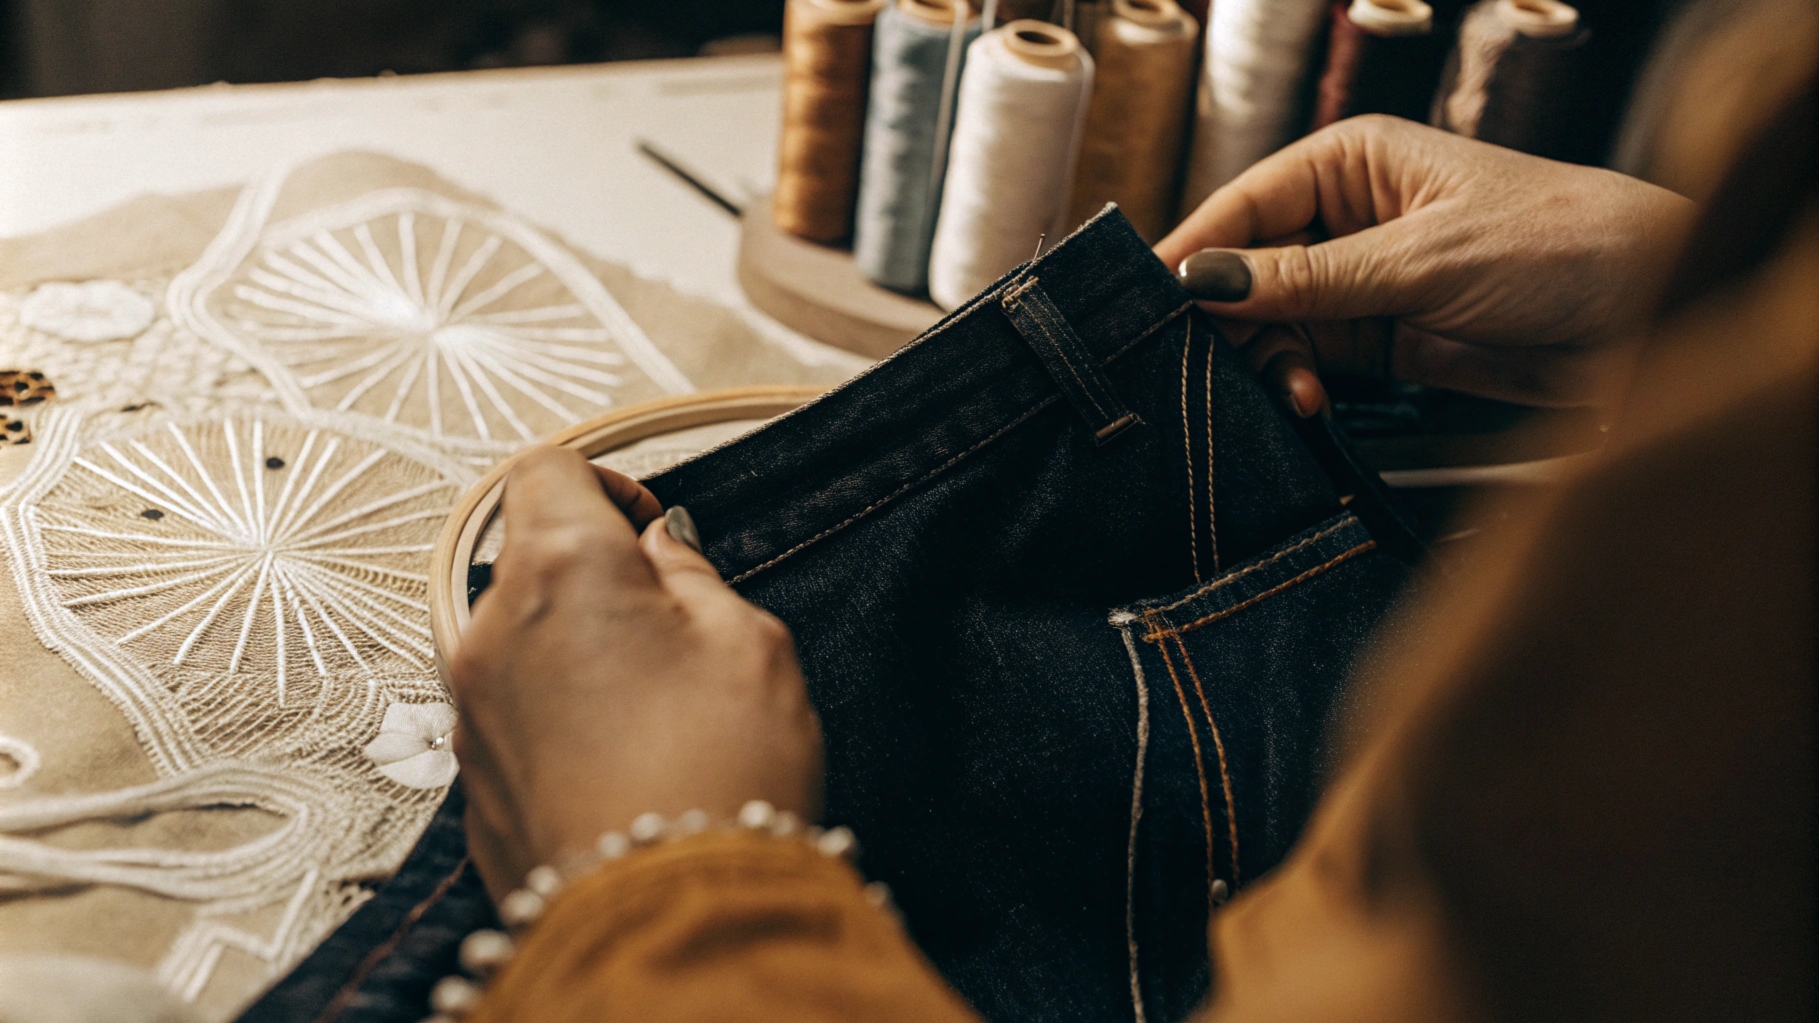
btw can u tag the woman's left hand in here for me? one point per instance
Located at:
(607, 674)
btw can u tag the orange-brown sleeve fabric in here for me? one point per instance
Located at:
(724, 926)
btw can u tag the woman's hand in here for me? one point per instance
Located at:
(607, 674)
(1436, 259)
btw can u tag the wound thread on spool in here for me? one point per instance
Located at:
(1130, 150)
(911, 103)
(1382, 57)
(1515, 77)
(827, 62)
(1022, 106)
(1251, 87)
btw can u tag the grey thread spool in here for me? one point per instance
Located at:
(1515, 77)
(899, 183)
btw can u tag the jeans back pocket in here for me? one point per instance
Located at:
(1239, 681)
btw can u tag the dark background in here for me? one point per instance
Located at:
(63, 47)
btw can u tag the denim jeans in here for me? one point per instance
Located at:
(1077, 607)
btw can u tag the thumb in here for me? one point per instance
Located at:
(1346, 278)
(671, 546)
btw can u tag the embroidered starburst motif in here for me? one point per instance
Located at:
(454, 321)
(249, 550)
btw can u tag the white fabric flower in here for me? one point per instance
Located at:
(89, 311)
(412, 747)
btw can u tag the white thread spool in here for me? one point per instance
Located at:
(1392, 17)
(1257, 58)
(1022, 104)
(1539, 19)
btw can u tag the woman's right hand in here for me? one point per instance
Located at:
(1436, 259)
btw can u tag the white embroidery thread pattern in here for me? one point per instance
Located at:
(220, 590)
(90, 311)
(282, 866)
(187, 619)
(19, 760)
(459, 323)
(162, 365)
(224, 526)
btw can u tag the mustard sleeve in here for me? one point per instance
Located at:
(723, 926)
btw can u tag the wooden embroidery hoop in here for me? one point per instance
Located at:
(454, 551)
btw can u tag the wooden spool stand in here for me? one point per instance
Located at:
(817, 290)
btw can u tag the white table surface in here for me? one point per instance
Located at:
(555, 145)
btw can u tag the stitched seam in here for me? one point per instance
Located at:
(1193, 735)
(1212, 506)
(1265, 595)
(1130, 855)
(344, 997)
(899, 492)
(1187, 442)
(938, 470)
(1225, 773)
(1016, 293)
(1040, 316)
(1259, 566)
(1140, 338)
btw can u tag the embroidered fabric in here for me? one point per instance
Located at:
(222, 524)
(159, 365)
(461, 325)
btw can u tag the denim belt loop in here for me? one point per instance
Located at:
(1067, 359)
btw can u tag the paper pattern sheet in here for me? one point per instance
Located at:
(220, 721)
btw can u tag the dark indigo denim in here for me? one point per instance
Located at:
(379, 966)
(1062, 527)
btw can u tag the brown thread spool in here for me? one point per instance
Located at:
(827, 52)
(1382, 58)
(1516, 78)
(1022, 10)
(1131, 149)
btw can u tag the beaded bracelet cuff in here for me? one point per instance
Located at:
(484, 952)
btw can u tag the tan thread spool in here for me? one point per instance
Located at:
(936, 12)
(1136, 123)
(827, 54)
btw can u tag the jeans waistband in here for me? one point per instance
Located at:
(950, 393)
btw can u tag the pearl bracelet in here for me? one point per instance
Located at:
(484, 952)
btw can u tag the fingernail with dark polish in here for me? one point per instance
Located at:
(681, 527)
(1216, 275)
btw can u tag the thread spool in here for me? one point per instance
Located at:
(1250, 99)
(1087, 16)
(1515, 78)
(1023, 10)
(913, 88)
(1130, 150)
(1382, 57)
(827, 58)
(1022, 106)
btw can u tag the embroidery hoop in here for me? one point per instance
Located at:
(461, 534)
